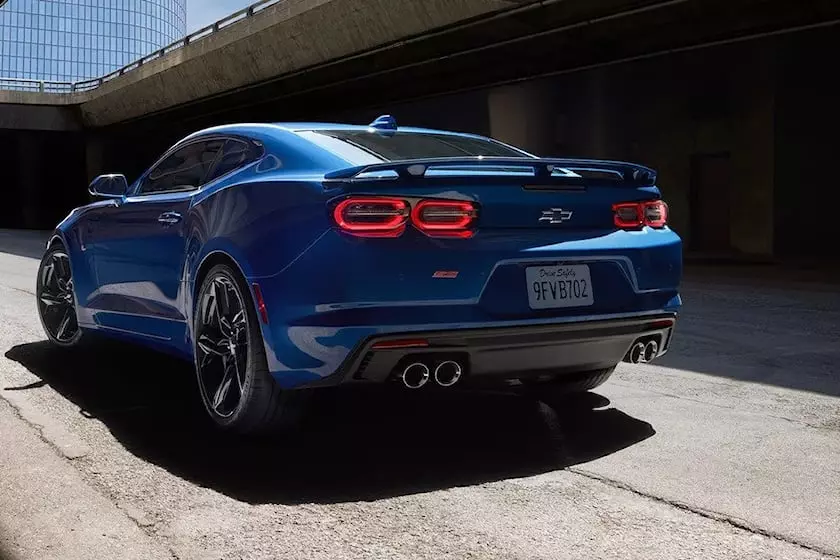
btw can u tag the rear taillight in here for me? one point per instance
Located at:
(372, 217)
(387, 217)
(443, 218)
(656, 213)
(634, 215)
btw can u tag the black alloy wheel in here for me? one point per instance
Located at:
(222, 345)
(56, 299)
(236, 386)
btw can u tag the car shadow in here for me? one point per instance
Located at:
(352, 445)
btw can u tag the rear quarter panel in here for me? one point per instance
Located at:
(263, 223)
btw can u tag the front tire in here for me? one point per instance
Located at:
(56, 298)
(236, 386)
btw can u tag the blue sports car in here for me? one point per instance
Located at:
(280, 258)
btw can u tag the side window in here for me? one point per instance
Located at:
(183, 170)
(235, 155)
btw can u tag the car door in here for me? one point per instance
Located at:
(140, 245)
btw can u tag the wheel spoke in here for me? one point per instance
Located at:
(225, 327)
(211, 346)
(239, 321)
(49, 299)
(65, 322)
(223, 390)
(238, 372)
(62, 267)
(49, 275)
(212, 349)
(220, 295)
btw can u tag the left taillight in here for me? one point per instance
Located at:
(388, 217)
(634, 215)
(372, 217)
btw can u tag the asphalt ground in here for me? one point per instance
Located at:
(729, 447)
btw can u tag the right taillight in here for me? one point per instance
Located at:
(656, 213)
(634, 215)
(372, 217)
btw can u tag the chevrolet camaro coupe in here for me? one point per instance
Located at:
(280, 258)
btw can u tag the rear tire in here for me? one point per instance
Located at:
(236, 387)
(569, 384)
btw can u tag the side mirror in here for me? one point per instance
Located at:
(109, 186)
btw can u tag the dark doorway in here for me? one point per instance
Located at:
(10, 213)
(709, 200)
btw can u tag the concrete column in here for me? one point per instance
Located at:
(753, 141)
(28, 186)
(522, 115)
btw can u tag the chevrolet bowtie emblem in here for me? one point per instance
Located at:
(556, 215)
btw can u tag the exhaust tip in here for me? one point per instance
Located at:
(448, 373)
(415, 375)
(636, 354)
(651, 351)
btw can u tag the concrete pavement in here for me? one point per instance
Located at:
(49, 512)
(729, 448)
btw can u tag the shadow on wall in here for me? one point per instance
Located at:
(353, 445)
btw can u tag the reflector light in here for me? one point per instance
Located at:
(372, 216)
(634, 215)
(444, 218)
(260, 303)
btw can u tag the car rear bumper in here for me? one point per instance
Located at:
(505, 353)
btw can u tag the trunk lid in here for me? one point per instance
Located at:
(518, 193)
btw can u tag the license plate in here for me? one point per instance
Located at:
(559, 286)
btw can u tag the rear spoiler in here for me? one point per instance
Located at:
(566, 170)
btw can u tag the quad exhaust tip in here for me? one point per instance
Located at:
(636, 354)
(643, 352)
(415, 375)
(651, 351)
(448, 373)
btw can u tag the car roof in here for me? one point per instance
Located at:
(298, 127)
(294, 127)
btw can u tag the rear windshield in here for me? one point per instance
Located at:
(361, 147)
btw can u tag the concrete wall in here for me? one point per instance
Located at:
(662, 112)
(807, 148)
(39, 117)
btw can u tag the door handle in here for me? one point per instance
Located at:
(169, 218)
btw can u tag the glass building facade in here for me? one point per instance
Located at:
(76, 40)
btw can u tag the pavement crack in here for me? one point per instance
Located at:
(21, 290)
(49, 430)
(708, 514)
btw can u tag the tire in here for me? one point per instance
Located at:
(56, 299)
(261, 405)
(569, 384)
